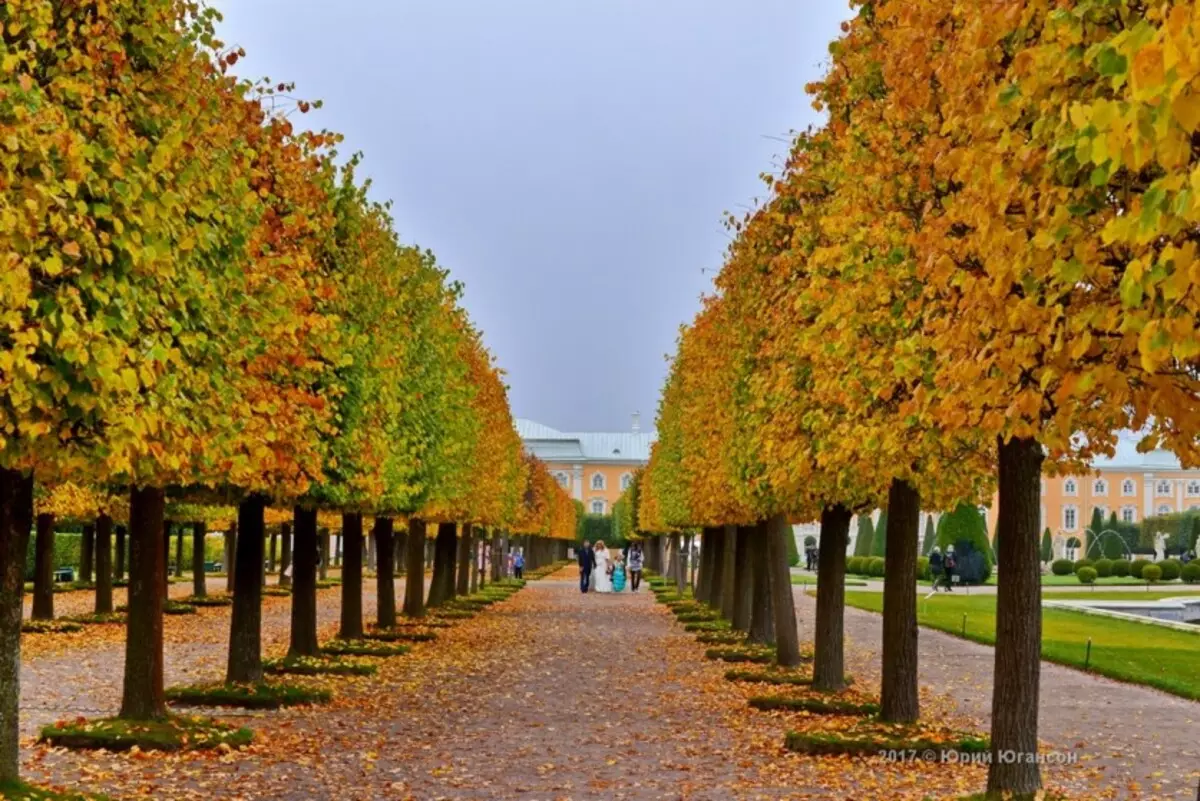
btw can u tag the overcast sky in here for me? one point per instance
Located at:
(568, 160)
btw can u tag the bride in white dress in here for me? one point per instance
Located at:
(600, 579)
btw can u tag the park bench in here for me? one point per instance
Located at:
(64, 574)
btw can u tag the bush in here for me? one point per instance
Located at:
(176, 733)
(965, 529)
(1082, 563)
(1103, 567)
(1120, 567)
(875, 566)
(1151, 573)
(1171, 569)
(814, 704)
(1138, 566)
(854, 565)
(923, 568)
(262, 695)
(1086, 575)
(1062, 567)
(810, 541)
(1191, 572)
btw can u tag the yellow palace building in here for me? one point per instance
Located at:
(594, 467)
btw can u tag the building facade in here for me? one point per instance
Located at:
(594, 467)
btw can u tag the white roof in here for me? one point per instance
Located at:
(1126, 456)
(552, 445)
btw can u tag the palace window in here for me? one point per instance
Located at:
(597, 507)
(1070, 518)
(1100, 487)
(561, 478)
(1163, 488)
(1128, 488)
(598, 482)
(626, 480)
(1070, 487)
(1193, 488)
(1165, 509)
(1128, 514)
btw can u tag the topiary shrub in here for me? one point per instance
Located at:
(853, 564)
(1062, 567)
(1120, 567)
(1171, 569)
(923, 568)
(810, 541)
(965, 529)
(1103, 568)
(1151, 573)
(1138, 566)
(1086, 575)
(1082, 563)
(875, 566)
(1191, 572)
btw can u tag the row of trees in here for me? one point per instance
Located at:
(201, 307)
(981, 267)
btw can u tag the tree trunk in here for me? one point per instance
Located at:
(743, 585)
(352, 589)
(43, 569)
(787, 636)
(496, 557)
(717, 569)
(729, 572)
(762, 613)
(271, 563)
(178, 551)
(143, 697)
(337, 548)
(199, 582)
(16, 518)
(245, 627)
(230, 556)
(400, 547)
(704, 574)
(104, 580)
(899, 702)
(166, 572)
(121, 549)
(285, 559)
(372, 556)
(304, 584)
(385, 580)
(473, 567)
(692, 560)
(414, 582)
(1018, 651)
(323, 536)
(463, 586)
(441, 587)
(87, 550)
(829, 667)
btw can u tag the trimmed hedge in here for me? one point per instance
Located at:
(1171, 569)
(1137, 566)
(1082, 563)
(1191, 573)
(1086, 575)
(1062, 567)
(1103, 567)
(1120, 567)
(1152, 573)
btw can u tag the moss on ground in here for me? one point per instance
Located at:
(20, 791)
(174, 733)
(318, 666)
(57, 626)
(363, 648)
(262, 695)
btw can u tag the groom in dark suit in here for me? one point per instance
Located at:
(587, 561)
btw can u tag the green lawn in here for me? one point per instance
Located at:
(1086, 595)
(809, 578)
(1136, 652)
(1051, 580)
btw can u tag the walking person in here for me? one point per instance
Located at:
(618, 574)
(587, 561)
(637, 559)
(935, 568)
(519, 565)
(948, 565)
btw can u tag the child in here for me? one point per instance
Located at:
(618, 574)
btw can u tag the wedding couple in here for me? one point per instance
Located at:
(601, 572)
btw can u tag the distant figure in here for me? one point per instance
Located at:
(587, 562)
(600, 580)
(519, 565)
(948, 565)
(935, 568)
(618, 574)
(637, 560)
(808, 557)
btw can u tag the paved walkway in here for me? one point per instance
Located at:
(555, 695)
(1135, 741)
